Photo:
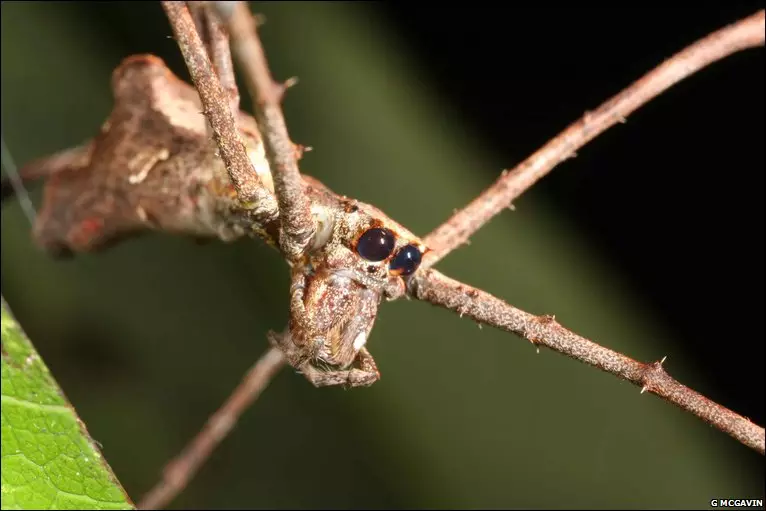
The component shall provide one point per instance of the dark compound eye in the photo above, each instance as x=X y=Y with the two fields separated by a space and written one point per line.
x=376 y=244
x=406 y=260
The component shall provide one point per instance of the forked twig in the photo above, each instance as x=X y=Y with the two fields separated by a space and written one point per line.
x=297 y=226
x=216 y=40
x=181 y=469
x=434 y=287
x=746 y=33
x=250 y=190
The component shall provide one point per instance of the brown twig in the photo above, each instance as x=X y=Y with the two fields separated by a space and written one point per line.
x=179 y=472
x=297 y=226
x=438 y=289
x=215 y=38
x=199 y=15
x=746 y=33
x=252 y=194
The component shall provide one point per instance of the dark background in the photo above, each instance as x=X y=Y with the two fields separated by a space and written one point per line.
x=650 y=242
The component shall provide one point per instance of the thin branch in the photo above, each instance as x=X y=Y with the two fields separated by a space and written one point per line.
x=180 y=470
x=216 y=40
x=438 y=289
x=198 y=14
x=297 y=226
x=746 y=33
x=252 y=194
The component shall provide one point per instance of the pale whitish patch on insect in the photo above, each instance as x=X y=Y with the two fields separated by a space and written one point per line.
x=257 y=157
x=141 y=212
x=179 y=111
x=360 y=341
x=143 y=163
x=325 y=225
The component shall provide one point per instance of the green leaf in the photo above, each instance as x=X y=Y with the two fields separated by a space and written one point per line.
x=48 y=459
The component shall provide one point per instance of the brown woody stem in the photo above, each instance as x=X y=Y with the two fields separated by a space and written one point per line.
x=297 y=226
x=438 y=289
x=252 y=194
x=216 y=40
x=746 y=33
x=180 y=470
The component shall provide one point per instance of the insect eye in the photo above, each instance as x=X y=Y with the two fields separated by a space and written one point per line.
x=376 y=244
x=406 y=260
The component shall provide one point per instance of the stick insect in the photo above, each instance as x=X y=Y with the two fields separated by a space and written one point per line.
x=234 y=226
x=153 y=167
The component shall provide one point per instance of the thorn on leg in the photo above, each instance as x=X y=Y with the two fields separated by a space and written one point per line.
x=281 y=88
x=300 y=150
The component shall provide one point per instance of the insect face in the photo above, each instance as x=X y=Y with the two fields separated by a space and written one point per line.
x=360 y=256
x=380 y=249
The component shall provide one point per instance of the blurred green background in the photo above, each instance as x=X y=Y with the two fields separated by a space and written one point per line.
x=149 y=338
